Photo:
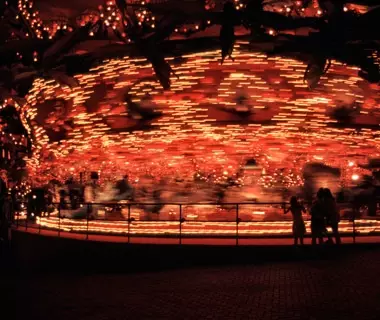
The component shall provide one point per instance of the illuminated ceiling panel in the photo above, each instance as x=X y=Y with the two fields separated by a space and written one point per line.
x=213 y=119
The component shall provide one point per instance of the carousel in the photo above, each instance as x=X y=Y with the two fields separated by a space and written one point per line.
x=196 y=111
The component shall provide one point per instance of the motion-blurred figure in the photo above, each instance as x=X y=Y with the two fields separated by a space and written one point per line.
x=125 y=190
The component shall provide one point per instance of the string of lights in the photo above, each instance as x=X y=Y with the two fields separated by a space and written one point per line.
x=195 y=128
x=297 y=122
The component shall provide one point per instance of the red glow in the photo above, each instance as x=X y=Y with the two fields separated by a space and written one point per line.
x=279 y=121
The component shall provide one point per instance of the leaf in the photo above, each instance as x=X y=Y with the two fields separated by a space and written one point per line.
x=25 y=75
x=227 y=32
x=166 y=26
x=65 y=44
x=162 y=69
x=227 y=41
x=314 y=71
x=63 y=78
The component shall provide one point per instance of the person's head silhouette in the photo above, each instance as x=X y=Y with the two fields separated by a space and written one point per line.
x=293 y=201
x=320 y=194
x=327 y=193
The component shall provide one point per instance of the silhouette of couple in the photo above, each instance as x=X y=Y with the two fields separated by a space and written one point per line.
x=323 y=212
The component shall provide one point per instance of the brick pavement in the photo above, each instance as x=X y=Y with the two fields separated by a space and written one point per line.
x=340 y=287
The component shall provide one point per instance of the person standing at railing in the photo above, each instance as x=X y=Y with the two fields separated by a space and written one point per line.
x=299 y=229
x=318 y=228
x=3 y=211
x=332 y=214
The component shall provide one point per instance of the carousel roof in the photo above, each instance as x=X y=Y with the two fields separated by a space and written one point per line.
x=85 y=85
x=213 y=119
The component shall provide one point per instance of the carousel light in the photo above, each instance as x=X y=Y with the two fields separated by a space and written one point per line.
x=355 y=177
x=184 y=118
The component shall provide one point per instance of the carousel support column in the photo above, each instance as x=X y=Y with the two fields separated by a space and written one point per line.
x=26 y=222
x=18 y=218
x=59 y=220
x=87 y=219
x=180 y=223
x=354 y=225
x=129 y=223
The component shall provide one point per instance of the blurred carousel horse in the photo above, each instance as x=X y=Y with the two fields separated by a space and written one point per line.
x=189 y=211
x=106 y=194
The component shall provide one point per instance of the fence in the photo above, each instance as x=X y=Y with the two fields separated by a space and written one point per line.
x=181 y=221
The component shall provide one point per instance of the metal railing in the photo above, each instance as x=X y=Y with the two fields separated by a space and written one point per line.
x=178 y=221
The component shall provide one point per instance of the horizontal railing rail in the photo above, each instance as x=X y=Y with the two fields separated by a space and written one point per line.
x=167 y=203
x=232 y=222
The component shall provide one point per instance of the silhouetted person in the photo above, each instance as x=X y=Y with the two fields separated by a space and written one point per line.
x=3 y=213
x=220 y=194
x=124 y=188
x=74 y=193
x=298 y=224
x=318 y=219
x=372 y=203
x=62 y=199
x=332 y=214
x=157 y=200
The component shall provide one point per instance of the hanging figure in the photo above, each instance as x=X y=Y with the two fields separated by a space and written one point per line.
x=227 y=31
x=252 y=18
x=317 y=67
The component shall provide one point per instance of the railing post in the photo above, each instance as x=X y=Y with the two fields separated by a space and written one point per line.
x=87 y=217
x=18 y=218
x=39 y=226
x=180 y=224
x=59 y=220
x=237 y=224
x=129 y=223
x=353 y=225
x=26 y=221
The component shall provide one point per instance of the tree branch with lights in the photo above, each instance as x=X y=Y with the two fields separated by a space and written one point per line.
x=31 y=49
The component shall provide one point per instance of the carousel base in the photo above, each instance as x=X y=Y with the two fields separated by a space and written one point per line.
x=173 y=230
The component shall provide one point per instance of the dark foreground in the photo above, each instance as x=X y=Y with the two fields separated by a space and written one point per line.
x=334 y=286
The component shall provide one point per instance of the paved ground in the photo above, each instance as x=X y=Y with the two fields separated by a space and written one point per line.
x=335 y=288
